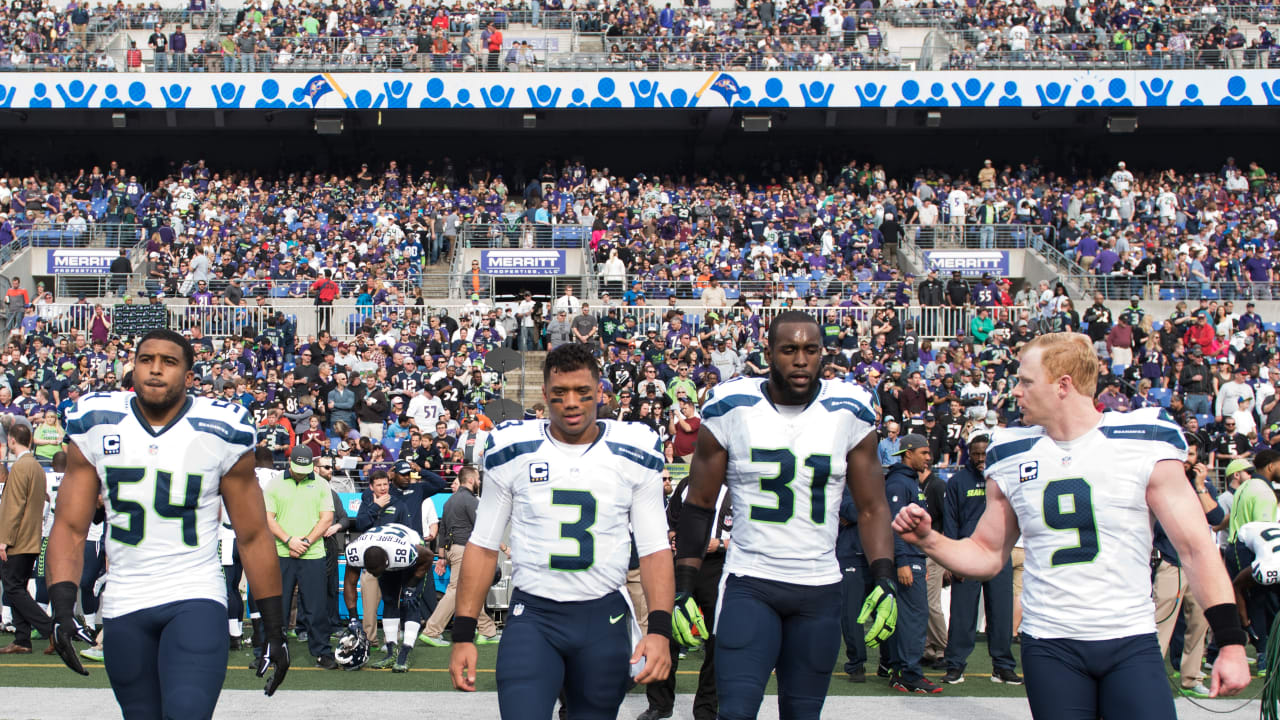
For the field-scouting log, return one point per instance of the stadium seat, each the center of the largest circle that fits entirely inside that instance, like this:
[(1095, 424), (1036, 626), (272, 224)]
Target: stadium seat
[(1209, 293), (1272, 326), (1162, 396), (1118, 369), (288, 366), (1168, 293), (1204, 419), (1157, 324)]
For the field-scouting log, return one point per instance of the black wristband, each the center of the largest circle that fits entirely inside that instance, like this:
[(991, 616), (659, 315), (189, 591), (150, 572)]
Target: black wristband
[(686, 579), (883, 568), (693, 531), (464, 629), (272, 611), (660, 623), (62, 600), (1224, 621)]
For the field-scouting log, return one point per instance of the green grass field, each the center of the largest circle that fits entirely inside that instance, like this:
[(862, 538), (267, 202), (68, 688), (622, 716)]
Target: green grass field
[(429, 671)]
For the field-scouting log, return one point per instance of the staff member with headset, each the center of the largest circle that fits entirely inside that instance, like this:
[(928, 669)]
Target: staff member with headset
[(964, 502), (1173, 591), (662, 694)]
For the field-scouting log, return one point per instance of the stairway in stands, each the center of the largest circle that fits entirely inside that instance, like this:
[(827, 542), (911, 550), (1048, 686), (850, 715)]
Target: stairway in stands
[(531, 373)]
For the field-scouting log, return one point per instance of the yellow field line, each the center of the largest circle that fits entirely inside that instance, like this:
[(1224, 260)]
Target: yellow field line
[(292, 669)]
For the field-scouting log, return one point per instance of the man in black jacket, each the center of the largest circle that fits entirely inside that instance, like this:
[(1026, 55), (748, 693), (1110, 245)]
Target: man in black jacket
[(931, 294), (965, 501), (371, 407), (120, 269)]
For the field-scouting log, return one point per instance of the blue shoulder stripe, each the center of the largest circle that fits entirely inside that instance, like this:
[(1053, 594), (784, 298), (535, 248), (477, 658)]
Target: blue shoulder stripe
[(226, 431), (509, 453), (723, 407), (82, 424), (860, 411), (1006, 450), (636, 455), (1156, 433)]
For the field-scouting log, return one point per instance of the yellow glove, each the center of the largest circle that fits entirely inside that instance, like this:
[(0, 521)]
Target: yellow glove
[(688, 627), (879, 616)]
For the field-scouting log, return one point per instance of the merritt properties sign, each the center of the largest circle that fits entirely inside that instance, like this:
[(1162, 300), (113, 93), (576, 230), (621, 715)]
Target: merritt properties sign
[(522, 262)]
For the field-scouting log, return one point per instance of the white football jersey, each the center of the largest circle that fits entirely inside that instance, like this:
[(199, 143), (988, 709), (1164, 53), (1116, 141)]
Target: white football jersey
[(52, 481), (1086, 526), (1263, 538), (786, 476), (161, 489), (572, 508), (399, 541)]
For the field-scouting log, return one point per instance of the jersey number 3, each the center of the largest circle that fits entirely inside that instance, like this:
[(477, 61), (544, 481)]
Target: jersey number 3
[(579, 532), (1068, 505), (780, 485), (135, 531)]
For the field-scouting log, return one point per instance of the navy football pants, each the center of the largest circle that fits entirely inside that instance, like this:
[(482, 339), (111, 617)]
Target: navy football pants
[(584, 647), (168, 661), (764, 625), (1083, 680)]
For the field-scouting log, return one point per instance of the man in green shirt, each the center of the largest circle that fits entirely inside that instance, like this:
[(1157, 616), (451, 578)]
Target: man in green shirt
[(1254, 500), (299, 510)]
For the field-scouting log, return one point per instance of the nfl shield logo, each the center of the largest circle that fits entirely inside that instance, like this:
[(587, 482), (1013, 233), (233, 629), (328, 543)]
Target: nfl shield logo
[(518, 609), (153, 449), (1066, 461)]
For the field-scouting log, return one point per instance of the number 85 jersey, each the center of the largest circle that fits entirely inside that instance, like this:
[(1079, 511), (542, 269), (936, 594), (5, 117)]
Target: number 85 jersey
[(1086, 526), (786, 474), (161, 488)]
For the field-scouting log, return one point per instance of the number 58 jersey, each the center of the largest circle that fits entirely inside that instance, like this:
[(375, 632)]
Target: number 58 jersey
[(1086, 526), (786, 475), (161, 490), (400, 542)]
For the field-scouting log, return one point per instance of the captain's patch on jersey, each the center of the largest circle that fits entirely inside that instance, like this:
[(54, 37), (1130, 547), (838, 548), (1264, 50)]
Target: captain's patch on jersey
[(1028, 471), (539, 472), (111, 445)]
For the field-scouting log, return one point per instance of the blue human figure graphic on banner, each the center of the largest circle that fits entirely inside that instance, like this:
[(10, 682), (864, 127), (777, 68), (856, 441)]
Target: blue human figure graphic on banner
[(910, 91), (1010, 97), (870, 94), (1053, 94), (1086, 97), (644, 93), (817, 94), (6, 96), (577, 99), (937, 97), (363, 100), (1236, 87), (270, 95), (40, 97), (543, 96), (1272, 92), (76, 94), (773, 94), (464, 99), (110, 97), (397, 93), (1193, 96), (497, 96), (606, 88), (972, 94), (744, 98), (1116, 90), (227, 95), (137, 95), (175, 95), (1157, 92), (299, 99), (435, 95)]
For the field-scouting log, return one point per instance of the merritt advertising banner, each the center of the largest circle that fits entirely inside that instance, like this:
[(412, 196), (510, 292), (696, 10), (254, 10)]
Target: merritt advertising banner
[(522, 262)]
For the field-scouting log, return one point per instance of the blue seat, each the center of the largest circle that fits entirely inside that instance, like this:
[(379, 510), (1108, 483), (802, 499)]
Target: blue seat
[(1204, 419), (288, 366), (1168, 293), (1162, 396), (1273, 326), (1209, 293), (732, 293), (1156, 325), (1118, 369)]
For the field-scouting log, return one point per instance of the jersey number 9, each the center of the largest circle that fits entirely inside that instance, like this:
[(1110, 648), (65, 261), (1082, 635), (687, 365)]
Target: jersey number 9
[(1068, 505)]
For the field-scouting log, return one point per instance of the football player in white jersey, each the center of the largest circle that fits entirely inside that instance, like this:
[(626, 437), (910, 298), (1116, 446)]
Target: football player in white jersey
[(786, 446), (1081, 486), (164, 608), (574, 490), (396, 556), (1261, 569)]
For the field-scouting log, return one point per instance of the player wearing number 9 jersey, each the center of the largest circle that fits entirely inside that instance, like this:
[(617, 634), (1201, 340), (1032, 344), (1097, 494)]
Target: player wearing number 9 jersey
[(163, 463), (1081, 486), (785, 446), (575, 490)]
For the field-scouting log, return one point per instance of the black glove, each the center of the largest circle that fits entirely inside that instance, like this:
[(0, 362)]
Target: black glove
[(276, 651), (66, 629)]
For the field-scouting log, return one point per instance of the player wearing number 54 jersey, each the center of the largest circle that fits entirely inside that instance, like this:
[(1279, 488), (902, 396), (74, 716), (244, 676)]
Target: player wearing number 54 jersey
[(786, 447), (574, 490), (1080, 487), (163, 463)]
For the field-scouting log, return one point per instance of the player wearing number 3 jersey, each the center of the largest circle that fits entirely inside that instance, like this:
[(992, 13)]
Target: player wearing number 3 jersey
[(785, 446), (574, 490), (164, 463), (1081, 486)]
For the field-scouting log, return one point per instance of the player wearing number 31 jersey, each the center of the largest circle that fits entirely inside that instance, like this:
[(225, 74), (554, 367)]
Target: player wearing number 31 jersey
[(1080, 487)]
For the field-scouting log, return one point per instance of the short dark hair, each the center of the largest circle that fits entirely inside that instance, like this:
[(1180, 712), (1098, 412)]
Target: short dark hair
[(167, 335), (1260, 461), (791, 317), (21, 434), (570, 357), (375, 560)]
